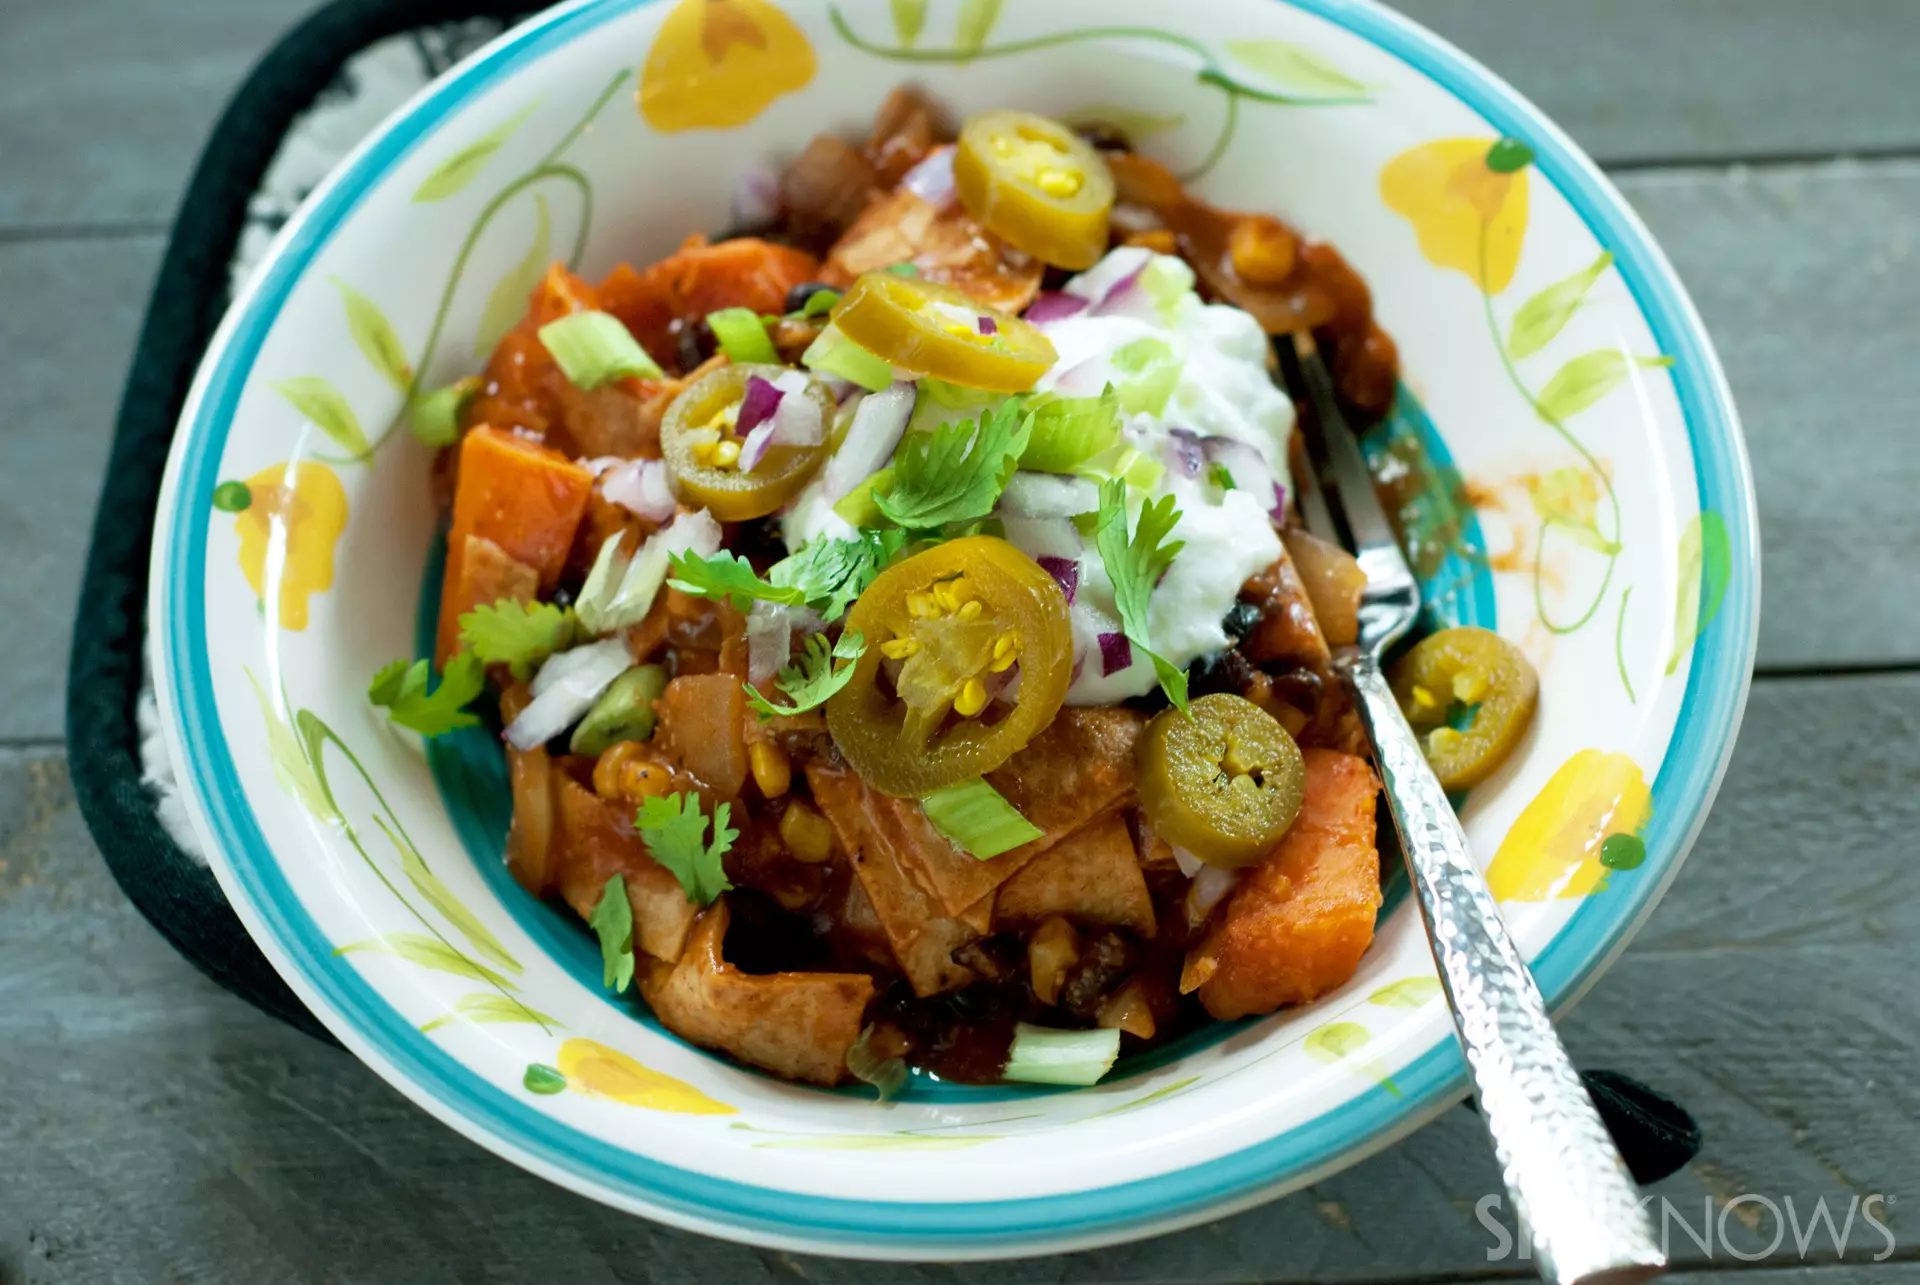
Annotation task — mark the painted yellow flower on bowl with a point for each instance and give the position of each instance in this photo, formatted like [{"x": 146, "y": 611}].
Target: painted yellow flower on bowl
[
  {"x": 1584, "y": 822},
  {"x": 590, "y": 1067},
  {"x": 717, "y": 64},
  {"x": 1467, "y": 201},
  {"x": 288, "y": 518}
]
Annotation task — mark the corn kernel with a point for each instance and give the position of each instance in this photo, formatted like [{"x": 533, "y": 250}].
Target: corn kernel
[
  {"x": 1262, "y": 249},
  {"x": 726, "y": 453},
  {"x": 970, "y": 611},
  {"x": 629, "y": 774},
  {"x": 1158, "y": 240},
  {"x": 807, "y": 834},
  {"x": 899, "y": 648},
  {"x": 772, "y": 769},
  {"x": 1058, "y": 182}
]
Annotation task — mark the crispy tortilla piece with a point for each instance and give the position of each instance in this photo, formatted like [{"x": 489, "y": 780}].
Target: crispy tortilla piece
[
  {"x": 943, "y": 242},
  {"x": 1092, "y": 876},
  {"x": 1300, "y": 920},
  {"x": 797, "y": 1025},
  {"x": 923, "y": 938},
  {"x": 591, "y": 844}
]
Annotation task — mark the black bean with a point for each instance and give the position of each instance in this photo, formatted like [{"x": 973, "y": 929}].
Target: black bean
[
  {"x": 1242, "y": 618},
  {"x": 694, "y": 340},
  {"x": 1103, "y": 962},
  {"x": 1219, "y": 671}
]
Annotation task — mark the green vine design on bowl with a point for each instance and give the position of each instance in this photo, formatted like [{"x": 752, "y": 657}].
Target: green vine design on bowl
[
  {"x": 297, "y": 741},
  {"x": 321, "y": 404},
  {"x": 1283, "y": 63}
]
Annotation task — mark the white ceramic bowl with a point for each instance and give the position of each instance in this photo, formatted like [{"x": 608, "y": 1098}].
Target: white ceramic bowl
[{"x": 1614, "y": 538}]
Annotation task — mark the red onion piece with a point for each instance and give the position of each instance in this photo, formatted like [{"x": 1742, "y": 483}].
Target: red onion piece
[
  {"x": 1054, "y": 305},
  {"x": 1115, "y": 273},
  {"x": 1185, "y": 452},
  {"x": 1065, "y": 572},
  {"x": 932, "y": 179},
  {"x": 641, "y": 487},
  {"x": 988, "y": 326},
  {"x": 754, "y": 448},
  {"x": 758, "y": 405},
  {"x": 1250, "y": 472},
  {"x": 1116, "y": 654},
  {"x": 875, "y": 431}
]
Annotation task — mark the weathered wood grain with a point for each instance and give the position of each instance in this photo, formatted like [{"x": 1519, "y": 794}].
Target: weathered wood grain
[
  {"x": 1640, "y": 81},
  {"x": 157, "y": 1129},
  {"x": 105, "y": 104},
  {"x": 1807, "y": 276},
  {"x": 73, "y": 310}
]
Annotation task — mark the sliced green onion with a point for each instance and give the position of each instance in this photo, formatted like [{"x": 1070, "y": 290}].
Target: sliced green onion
[
  {"x": 1222, "y": 477},
  {"x": 819, "y": 303},
  {"x": 1043, "y": 1055},
  {"x": 888, "y": 1075},
  {"x": 434, "y": 417},
  {"x": 858, "y": 506},
  {"x": 1154, "y": 368},
  {"x": 1140, "y": 471},
  {"x": 743, "y": 336},
  {"x": 1167, "y": 280},
  {"x": 603, "y": 582},
  {"x": 904, "y": 269},
  {"x": 835, "y": 354},
  {"x": 594, "y": 348},
  {"x": 1069, "y": 431},
  {"x": 975, "y": 819},
  {"x": 957, "y": 396}
]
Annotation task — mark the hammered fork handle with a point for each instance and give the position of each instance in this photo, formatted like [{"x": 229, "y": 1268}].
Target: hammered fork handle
[{"x": 1567, "y": 1179}]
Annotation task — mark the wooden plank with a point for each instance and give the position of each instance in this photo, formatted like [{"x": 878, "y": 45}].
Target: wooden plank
[
  {"x": 104, "y": 104},
  {"x": 1633, "y": 80},
  {"x": 1644, "y": 81},
  {"x": 68, "y": 333},
  {"x": 1806, "y": 277},
  {"x": 156, "y": 1128}
]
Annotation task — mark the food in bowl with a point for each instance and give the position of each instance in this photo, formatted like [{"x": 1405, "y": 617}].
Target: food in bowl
[{"x": 906, "y": 649}]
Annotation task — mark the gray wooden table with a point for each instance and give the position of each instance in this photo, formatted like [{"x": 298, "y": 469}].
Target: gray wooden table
[{"x": 153, "y": 1128}]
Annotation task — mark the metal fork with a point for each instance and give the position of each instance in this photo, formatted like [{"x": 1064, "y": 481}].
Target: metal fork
[{"x": 1567, "y": 1180}]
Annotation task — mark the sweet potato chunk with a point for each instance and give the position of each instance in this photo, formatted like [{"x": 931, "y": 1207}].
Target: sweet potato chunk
[
  {"x": 1092, "y": 876},
  {"x": 1300, "y": 920},
  {"x": 591, "y": 844},
  {"x": 797, "y": 1025},
  {"x": 700, "y": 278},
  {"x": 525, "y": 499}
]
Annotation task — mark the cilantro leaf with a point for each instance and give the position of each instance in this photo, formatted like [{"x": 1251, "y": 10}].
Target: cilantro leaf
[
  {"x": 832, "y": 573},
  {"x": 401, "y": 689},
  {"x": 612, "y": 922},
  {"x": 675, "y": 833},
  {"x": 955, "y": 473},
  {"x": 1135, "y": 566},
  {"x": 517, "y": 634},
  {"x": 814, "y": 679},
  {"x": 724, "y": 575}
]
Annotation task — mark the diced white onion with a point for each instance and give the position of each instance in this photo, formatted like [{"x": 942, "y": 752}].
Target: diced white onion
[
  {"x": 1048, "y": 495},
  {"x": 565, "y": 689},
  {"x": 875, "y": 431},
  {"x": 1103, "y": 278},
  {"x": 1189, "y": 864},
  {"x": 641, "y": 487},
  {"x": 1206, "y": 890},
  {"x": 932, "y": 179},
  {"x": 689, "y": 533}
]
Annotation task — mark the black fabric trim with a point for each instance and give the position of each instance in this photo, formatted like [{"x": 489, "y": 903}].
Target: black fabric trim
[{"x": 179, "y": 896}]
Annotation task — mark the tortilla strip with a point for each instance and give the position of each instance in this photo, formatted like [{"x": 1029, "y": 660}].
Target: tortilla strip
[
  {"x": 798, "y": 1025},
  {"x": 1091, "y": 876},
  {"x": 591, "y": 844}
]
